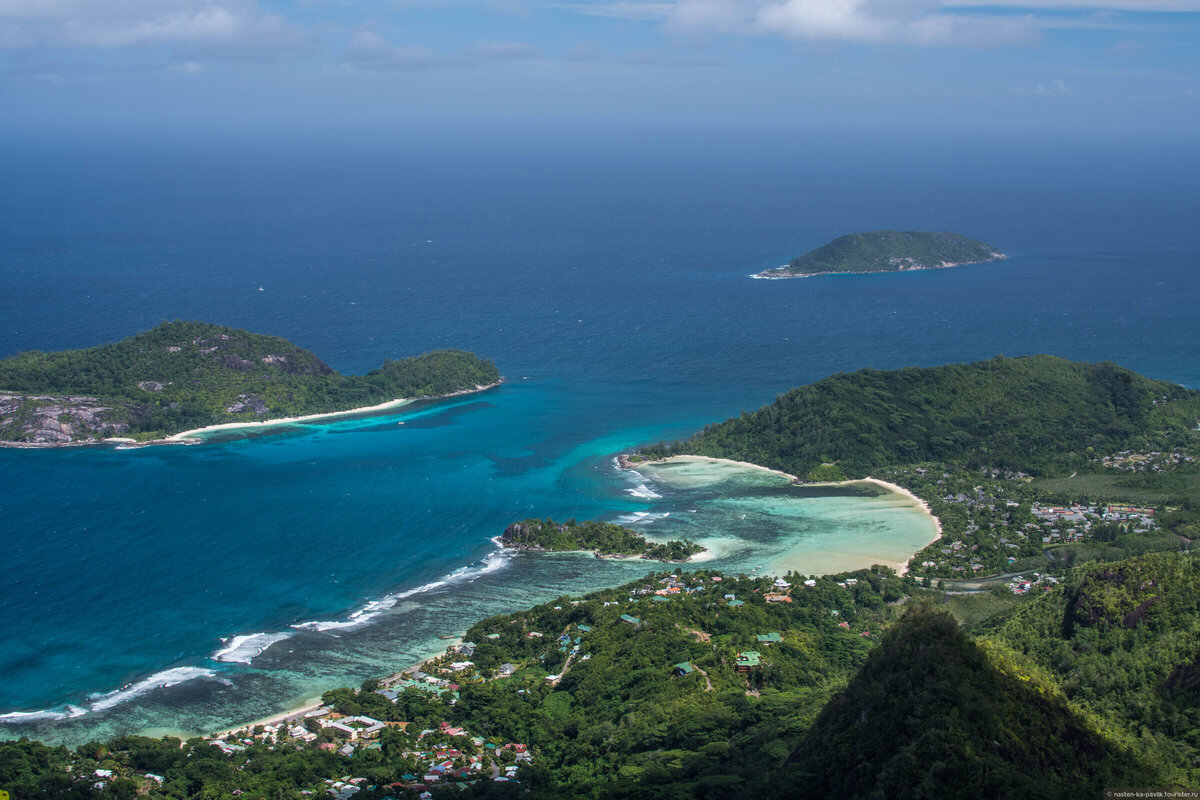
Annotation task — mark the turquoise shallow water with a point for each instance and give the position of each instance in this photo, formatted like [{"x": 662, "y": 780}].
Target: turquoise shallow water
[{"x": 613, "y": 296}]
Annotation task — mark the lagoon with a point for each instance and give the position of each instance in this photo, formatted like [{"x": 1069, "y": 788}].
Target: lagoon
[{"x": 613, "y": 296}]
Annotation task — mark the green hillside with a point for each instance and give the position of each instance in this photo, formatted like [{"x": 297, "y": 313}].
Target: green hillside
[
  {"x": 934, "y": 714},
  {"x": 183, "y": 375},
  {"x": 888, "y": 251},
  {"x": 1123, "y": 639},
  {"x": 648, "y": 691},
  {"x": 1038, "y": 414}
]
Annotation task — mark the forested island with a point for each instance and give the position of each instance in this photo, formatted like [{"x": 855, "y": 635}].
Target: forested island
[
  {"x": 887, "y": 251},
  {"x": 186, "y": 375},
  {"x": 602, "y": 538}
]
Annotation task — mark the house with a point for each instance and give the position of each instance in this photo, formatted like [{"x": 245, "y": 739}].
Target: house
[
  {"x": 683, "y": 668},
  {"x": 769, "y": 638},
  {"x": 736, "y": 603},
  {"x": 506, "y": 670},
  {"x": 630, "y": 620},
  {"x": 585, "y": 628},
  {"x": 748, "y": 661},
  {"x": 355, "y": 727},
  {"x": 778, "y": 598}
]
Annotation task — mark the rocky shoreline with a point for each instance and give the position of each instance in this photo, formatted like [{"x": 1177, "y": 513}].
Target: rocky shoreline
[
  {"x": 510, "y": 541},
  {"x": 782, "y": 273},
  {"x": 53, "y": 431}
]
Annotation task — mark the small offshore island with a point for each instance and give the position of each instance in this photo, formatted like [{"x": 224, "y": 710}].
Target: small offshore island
[
  {"x": 603, "y": 539},
  {"x": 182, "y": 377},
  {"x": 887, "y": 251}
]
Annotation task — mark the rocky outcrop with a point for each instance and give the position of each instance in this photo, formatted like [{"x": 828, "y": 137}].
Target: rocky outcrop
[
  {"x": 247, "y": 403},
  {"x": 43, "y": 419},
  {"x": 520, "y": 536}
]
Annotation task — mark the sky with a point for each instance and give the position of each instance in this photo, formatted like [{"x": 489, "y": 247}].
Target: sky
[{"x": 1038, "y": 70}]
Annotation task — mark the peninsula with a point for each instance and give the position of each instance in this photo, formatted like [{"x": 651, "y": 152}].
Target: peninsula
[
  {"x": 183, "y": 376},
  {"x": 887, "y": 251},
  {"x": 604, "y": 539},
  {"x": 1027, "y": 463}
]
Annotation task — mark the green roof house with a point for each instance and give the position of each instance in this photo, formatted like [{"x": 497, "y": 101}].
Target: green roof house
[{"x": 748, "y": 661}]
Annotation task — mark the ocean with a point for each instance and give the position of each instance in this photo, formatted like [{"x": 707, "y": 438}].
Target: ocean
[{"x": 189, "y": 589}]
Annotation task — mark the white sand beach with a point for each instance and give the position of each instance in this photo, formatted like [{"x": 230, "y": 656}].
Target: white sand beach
[
  {"x": 817, "y": 560},
  {"x": 363, "y": 410}
]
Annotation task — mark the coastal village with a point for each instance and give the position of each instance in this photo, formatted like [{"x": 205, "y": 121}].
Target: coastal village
[
  {"x": 418, "y": 732},
  {"x": 996, "y": 521}
]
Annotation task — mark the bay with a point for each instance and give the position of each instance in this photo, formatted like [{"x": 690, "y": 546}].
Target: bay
[{"x": 613, "y": 295}]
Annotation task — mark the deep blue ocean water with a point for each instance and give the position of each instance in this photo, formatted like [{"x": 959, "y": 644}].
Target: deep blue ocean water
[{"x": 610, "y": 287}]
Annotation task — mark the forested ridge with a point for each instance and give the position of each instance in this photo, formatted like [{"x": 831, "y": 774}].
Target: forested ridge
[
  {"x": 1040, "y": 415},
  {"x": 183, "y": 375}
]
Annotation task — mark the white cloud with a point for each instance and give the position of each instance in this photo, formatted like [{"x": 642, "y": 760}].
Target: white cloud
[
  {"x": 370, "y": 52},
  {"x": 1093, "y": 5},
  {"x": 621, "y": 9},
  {"x": 585, "y": 51},
  {"x": 128, "y": 23},
  {"x": 912, "y": 22},
  {"x": 1056, "y": 88},
  {"x": 504, "y": 50}
]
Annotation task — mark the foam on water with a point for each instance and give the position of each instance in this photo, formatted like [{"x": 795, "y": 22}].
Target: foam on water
[
  {"x": 326, "y": 519},
  {"x": 159, "y": 680},
  {"x": 242, "y": 649},
  {"x": 492, "y": 562}
]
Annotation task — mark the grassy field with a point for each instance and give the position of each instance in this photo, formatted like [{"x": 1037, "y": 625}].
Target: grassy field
[{"x": 1149, "y": 489}]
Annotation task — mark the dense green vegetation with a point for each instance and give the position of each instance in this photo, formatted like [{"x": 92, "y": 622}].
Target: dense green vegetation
[
  {"x": 1037, "y": 414},
  {"x": 935, "y": 714},
  {"x": 1123, "y": 640},
  {"x": 863, "y": 688},
  {"x": 859, "y": 685},
  {"x": 603, "y": 538},
  {"x": 889, "y": 251},
  {"x": 184, "y": 375}
]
